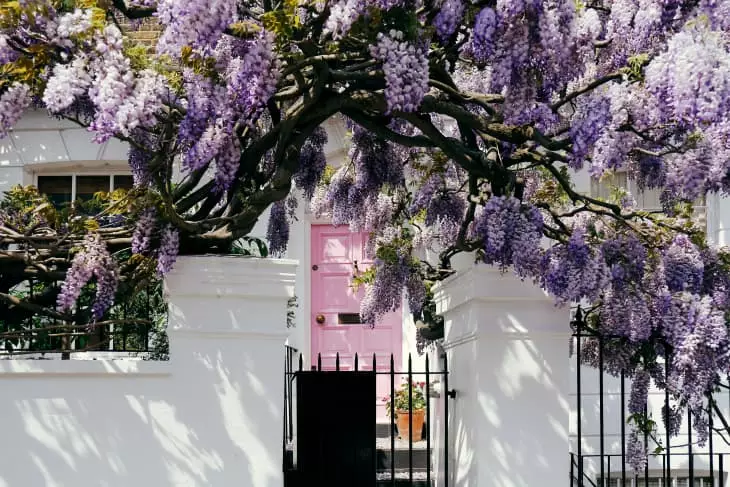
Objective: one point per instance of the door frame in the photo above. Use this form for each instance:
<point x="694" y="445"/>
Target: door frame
<point x="305" y="302"/>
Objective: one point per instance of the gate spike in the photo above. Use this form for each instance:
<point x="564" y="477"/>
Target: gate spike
<point x="337" y="362"/>
<point x="301" y="362"/>
<point x="375" y="368"/>
<point x="319" y="361"/>
<point x="355" y="361"/>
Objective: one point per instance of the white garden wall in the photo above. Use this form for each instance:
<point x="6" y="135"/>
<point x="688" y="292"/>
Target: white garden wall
<point x="211" y="416"/>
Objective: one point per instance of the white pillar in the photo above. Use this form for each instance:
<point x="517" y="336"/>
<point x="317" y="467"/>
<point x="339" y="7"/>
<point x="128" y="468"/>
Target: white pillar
<point x="507" y="346"/>
<point x="227" y="330"/>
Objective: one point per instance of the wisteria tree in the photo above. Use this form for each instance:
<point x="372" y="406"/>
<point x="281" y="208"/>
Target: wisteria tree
<point x="466" y="120"/>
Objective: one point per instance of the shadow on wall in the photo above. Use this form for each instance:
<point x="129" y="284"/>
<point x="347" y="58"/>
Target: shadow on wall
<point x="192" y="423"/>
<point x="509" y="422"/>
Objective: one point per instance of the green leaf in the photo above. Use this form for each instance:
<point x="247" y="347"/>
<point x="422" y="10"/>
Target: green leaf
<point x="263" y="249"/>
<point x="91" y="224"/>
<point x="244" y="29"/>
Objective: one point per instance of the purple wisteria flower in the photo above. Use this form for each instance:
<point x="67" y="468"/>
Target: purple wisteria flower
<point x="93" y="260"/>
<point x="406" y="70"/>
<point x="12" y="104"/>
<point x="511" y="233"/>
<point x="277" y="232"/>
<point x="169" y="248"/>
<point x="142" y="236"/>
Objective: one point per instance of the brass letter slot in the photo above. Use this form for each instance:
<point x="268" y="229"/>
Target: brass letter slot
<point x="348" y="318"/>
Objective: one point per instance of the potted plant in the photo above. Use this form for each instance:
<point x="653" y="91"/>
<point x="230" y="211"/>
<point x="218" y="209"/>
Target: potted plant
<point x="405" y="412"/>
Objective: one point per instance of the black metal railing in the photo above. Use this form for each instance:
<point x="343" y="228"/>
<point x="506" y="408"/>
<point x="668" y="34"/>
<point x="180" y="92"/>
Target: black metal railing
<point x="677" y="462"/>
<point x="658" y="475"/>
<point x="135" y="324"/>
<point x="419" y="470"/>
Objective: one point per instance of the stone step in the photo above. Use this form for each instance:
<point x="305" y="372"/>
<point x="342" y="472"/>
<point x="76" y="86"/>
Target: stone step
<point x="384" y="456"/>
<point x="400" y="456"/>
<point x="382" y="430"/>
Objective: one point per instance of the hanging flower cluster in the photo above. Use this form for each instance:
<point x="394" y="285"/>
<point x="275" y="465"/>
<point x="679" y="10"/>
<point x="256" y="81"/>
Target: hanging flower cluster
<point x="92" y="261"/>
<point x="406" y="70"/>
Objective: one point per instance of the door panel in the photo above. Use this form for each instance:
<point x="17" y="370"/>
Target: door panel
<point x="331" y="285"/>
<point x="334" y="253"/>
<point x="336" y="246"/>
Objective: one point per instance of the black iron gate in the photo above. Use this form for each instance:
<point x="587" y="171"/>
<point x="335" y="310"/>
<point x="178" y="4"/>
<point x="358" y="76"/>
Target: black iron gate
<point x="335" y="438"/>
<point x="332" y="438"/>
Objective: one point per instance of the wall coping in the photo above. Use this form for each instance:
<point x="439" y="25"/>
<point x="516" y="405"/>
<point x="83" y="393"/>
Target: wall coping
<point x="231" y="276"/>
<point x="470" y="285"/>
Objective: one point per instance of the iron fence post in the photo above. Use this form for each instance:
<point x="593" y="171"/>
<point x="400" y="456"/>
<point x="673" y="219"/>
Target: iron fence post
<point x="623" y="428"/>
<point x="428" y="424"/>
<point x="392" y="420"/>
<point x="410" y="419"/>
<point x="601" y="425"/>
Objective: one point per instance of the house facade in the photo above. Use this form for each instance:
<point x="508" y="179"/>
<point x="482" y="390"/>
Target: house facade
<point x="61" y="160"/>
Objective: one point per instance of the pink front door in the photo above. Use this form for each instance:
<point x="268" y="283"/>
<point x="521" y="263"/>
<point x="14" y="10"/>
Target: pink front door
<point x="334" y="253"/>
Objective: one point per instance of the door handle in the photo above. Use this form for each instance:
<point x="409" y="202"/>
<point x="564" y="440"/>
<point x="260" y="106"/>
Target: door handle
<point x="320" y="319"/>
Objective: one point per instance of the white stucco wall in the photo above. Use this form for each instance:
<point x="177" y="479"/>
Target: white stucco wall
<point x="211" y="416"/>
<point x="10" y="176"/>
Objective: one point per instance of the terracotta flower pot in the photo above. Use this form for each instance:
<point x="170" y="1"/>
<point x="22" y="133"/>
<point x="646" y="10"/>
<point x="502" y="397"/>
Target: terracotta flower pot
<point x="403" y="422"/>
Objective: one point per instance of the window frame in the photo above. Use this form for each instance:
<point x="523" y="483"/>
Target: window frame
<point x="111" y="174"/>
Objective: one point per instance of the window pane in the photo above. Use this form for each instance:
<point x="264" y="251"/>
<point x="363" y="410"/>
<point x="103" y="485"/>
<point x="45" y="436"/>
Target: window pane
<point x="603" y="187"/>
<point x="650" y="199"/>
<point x="57" y="188"/>
<point x="123" y="182"/>
<point x="86" y="186"/>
